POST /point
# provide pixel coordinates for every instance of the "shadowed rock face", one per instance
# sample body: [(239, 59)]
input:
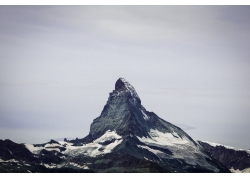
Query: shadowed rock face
[(117, 113), (120, 85), (10, 150), (232, 158), (125, 114)]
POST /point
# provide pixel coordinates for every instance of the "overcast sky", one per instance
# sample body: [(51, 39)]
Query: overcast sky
[(189, 64)]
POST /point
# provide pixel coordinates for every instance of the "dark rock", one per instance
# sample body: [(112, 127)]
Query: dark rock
[(53, 142), (231, 158), (11, 150)]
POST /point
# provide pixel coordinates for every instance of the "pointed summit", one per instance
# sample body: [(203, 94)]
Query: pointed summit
[(122, 85), (125, 114)]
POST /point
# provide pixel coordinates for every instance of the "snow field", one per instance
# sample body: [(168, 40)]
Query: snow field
[(93, 148)]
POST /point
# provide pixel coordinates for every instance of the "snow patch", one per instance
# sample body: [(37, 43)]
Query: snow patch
[(228, 147), (50, 165), (53, 149), (96, 148), (51, 145), (48, 147), (33, 149), (109, 135), (63, 157), (145, 116), (79, 166), (150, 149), (157, 137), (12, 160), (247, 170)]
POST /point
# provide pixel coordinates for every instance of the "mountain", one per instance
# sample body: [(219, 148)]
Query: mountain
[(15, 158), (237, 160), (124, 138)]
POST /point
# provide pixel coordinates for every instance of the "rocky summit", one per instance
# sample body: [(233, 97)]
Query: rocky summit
[(124, 138)]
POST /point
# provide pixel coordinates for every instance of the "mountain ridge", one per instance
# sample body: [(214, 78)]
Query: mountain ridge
[(235, 159), (127, 138)]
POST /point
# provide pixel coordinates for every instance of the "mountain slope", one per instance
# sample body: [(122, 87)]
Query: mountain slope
[(143, 135), (127, 138), (237, 160)]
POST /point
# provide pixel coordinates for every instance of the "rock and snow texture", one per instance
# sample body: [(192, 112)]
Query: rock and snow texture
[(123, 109), (227, 147), (181, 147), (237, 160), (124, 114), (124, 134), (33, 149), (168, 139), (122, 85), (247, 170), (105, 144), (36, 149), (62, 150)]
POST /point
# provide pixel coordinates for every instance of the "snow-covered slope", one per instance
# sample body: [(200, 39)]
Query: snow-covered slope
[(105, 144), (182, 149), (237, 160)]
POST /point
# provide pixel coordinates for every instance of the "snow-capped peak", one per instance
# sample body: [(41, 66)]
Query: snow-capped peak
[(123, 85)]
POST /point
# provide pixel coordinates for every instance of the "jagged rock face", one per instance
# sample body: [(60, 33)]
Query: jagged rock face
[(143, 131), (125, 114), (235, 159), (118, 113)]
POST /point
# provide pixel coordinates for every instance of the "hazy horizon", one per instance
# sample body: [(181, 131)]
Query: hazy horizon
[(189, 65)]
